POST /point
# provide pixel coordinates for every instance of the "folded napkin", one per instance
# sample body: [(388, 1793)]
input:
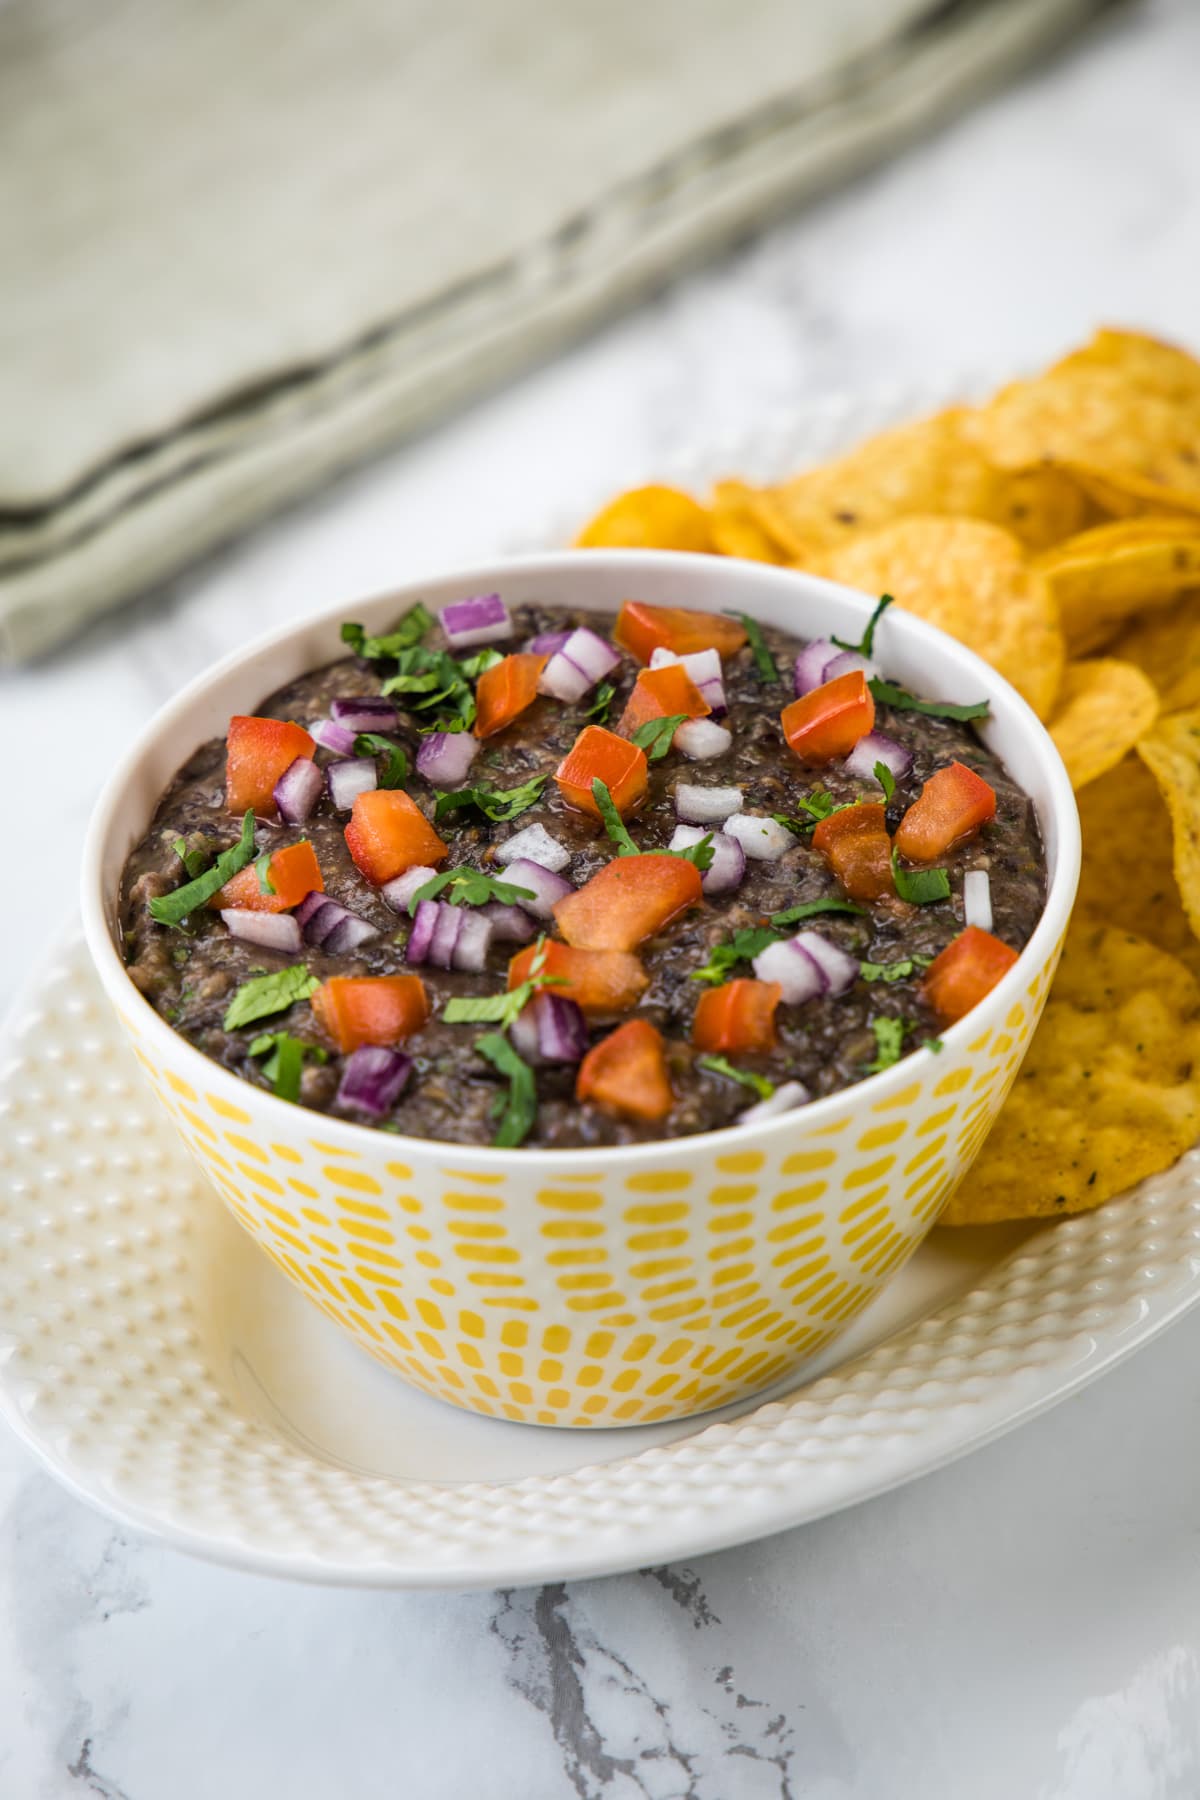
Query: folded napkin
[(243, 246)]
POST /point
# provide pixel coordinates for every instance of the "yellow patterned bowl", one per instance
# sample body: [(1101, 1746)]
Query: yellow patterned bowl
[(597, 1287)]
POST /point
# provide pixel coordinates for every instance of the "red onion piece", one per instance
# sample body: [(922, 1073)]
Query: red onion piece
[(785, 1097), (332, 927), (474, 941), (839, 968), (789, 963), (364, 712), (582, 661), (705, 805), (551, 1029), (763, 839), (510, 924), (704, 670), (876, 748), (337, 739), (977, 899), (348, 779), (483, 620), (399, 891), (445, 757), (546, 888), (811, 665), (374, 1079), (547, 642), (536, 843), (846, 663), (444, 941), (349, 934), (421, 936), (298, 790), (271, 931), (728, 866), (449, 937), (702, 739)]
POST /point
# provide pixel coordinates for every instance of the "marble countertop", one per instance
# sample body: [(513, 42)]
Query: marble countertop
[(1026, 1623)]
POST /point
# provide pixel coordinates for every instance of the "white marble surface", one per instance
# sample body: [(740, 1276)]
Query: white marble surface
[(1026, 1623)]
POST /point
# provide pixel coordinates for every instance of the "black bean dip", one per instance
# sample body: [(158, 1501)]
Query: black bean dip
[(189, 974)]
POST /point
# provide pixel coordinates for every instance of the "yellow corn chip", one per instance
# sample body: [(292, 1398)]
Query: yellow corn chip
[(1102, 577), (974, 581), (1166, 646), (1128, 874), (1108, 1094), (649, 518), (1171, 752), (738, 529), (1103, 709)]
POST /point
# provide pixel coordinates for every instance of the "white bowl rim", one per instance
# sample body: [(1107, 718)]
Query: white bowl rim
[(497, 572)]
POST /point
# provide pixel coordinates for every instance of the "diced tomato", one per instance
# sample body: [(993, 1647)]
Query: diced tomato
[(602, 982), (644, 629), (662, 694), (825, 725), (598, 754), (371, 1009), (505, 690), (626, 1072), (293, 873), (630, 899), (389, 833), (256, 754), (857, 850), (954, 804), (739, 1016), (965, 973)]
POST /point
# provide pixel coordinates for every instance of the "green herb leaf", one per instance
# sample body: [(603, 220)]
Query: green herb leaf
[(764, 661), (395, 769), (934, 1044), (285, 1060), (889, 1043), (433, 682), (172, 909), (921, 887), (410, 630), (758, 1084), (498, 804), (887, 694), (474, 666), (262, 869), (469, 887), (655, 736), (886, 780), (613, 822), (893, 971), (809, 909), (601, 701), (503, 1009), (743, 946), (701, 853), (867, 645), (267, 994), (818, 805), (517, 1110), (194, 861)]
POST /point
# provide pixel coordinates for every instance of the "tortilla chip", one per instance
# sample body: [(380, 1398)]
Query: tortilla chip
[(974, 581), (1104, 576), (649, 518), (1108, 1094), (1171, 752), (1103, 708), (1166, 646), (738, 529), (1128, 874)]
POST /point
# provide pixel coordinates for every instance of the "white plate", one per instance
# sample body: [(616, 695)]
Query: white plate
[(165, 1372)]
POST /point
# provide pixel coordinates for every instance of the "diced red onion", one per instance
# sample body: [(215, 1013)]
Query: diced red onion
[(421, 936), (846, 663), (473, 943), (374, 1079), (789, 1095), (702, 739), (349, 934), (445, 757), (364, 712), (444, 941), (337, 739), (550, 1029), (977, 899), (347, 780), (703, 669), (546, 643), (298, 790), (309, 907), (510, 924), (449, 937), (839, 968), (582, 661), (399, 891), (536, 843), (728, 866), (332, 927), (811, 664), (272, 931), (763, 839), (705, 805), (483, 620), (797, 973), (546, 888), (876, 748)]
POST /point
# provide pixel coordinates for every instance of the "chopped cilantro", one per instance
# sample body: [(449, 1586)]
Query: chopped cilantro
[(601, 701), (469, 887), (173, 908), (893, 971), (758, 1084), (498, 804), (433, 682), (889, 1043), (655, 736), (937, 1046), (409, 631), (474, 666), (764, 661), (886, 780), (503, 1009), (888, 694), (516, 1110), (743, 946), (920, 886), (818, 805), (867, 645), (395, 769), (194, 861), (700, 853), (808, 909), (285, 1059), (262, 869), (267, 994)]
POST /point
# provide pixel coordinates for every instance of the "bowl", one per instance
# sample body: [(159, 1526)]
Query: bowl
[(584, 1287)]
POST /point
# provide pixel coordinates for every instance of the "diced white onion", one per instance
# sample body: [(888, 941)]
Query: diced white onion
[(798, 974), (764, 839), (728, 865), (536, 843), (702, 739), (792, 1093), (977, 899), (697, 805)]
